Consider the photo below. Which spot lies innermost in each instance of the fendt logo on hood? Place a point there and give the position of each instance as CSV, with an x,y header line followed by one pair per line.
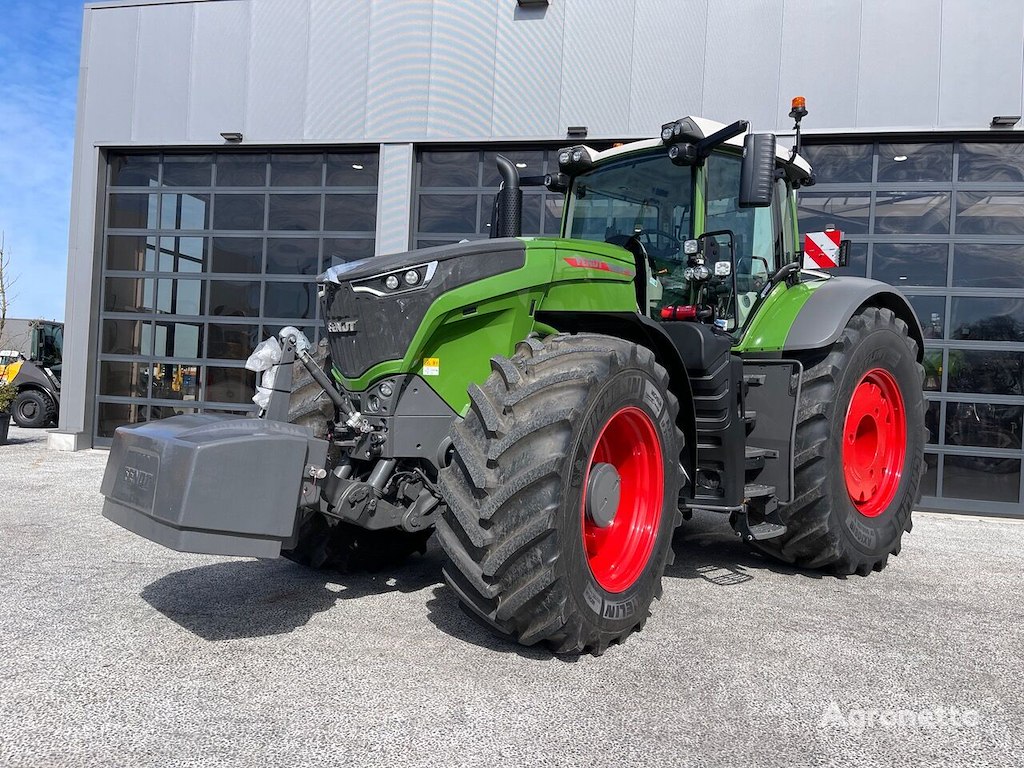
x,y
341,326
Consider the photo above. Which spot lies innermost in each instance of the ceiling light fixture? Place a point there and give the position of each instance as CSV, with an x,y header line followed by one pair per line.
x,y
900,158
1004,121
357,166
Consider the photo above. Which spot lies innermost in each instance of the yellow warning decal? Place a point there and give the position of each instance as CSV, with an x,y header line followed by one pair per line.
x,y
431,366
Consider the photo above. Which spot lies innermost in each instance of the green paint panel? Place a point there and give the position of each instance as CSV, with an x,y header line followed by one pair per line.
x,y
768,330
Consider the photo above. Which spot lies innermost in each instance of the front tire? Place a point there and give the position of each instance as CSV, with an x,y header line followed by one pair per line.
x,y
561,498
32,409
859,451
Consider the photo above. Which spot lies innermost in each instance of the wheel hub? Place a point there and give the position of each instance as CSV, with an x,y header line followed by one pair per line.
x,y
874,442
603,491
623,494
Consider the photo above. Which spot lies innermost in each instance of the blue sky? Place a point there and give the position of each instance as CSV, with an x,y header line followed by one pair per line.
x,y
39,46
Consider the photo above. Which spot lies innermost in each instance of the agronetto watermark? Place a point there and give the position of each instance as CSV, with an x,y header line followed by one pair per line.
x,y
861,720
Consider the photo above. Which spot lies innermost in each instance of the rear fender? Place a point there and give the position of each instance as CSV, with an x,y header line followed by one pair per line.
x,y
829,308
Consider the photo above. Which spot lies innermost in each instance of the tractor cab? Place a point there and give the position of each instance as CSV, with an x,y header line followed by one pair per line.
x,y
709,218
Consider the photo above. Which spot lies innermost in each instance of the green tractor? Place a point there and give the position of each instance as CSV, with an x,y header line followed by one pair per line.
x,y
555,407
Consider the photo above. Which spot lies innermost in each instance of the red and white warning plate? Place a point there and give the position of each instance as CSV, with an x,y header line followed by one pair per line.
x,y
821,249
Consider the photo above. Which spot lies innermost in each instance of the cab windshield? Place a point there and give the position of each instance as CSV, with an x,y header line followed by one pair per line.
x,y
642,196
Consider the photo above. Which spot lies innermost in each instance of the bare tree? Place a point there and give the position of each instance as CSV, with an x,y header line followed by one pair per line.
x,y
5,280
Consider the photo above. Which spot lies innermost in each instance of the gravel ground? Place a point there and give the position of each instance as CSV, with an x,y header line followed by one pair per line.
x,y
115,651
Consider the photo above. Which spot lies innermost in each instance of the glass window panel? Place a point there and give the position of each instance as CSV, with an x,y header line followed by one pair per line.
x,y
932,370
129,294
915,162
434,243
350,213
449,169
293,170
124,379
986,372
341,249
231,342
984,425
175,381
188,170
931,420
910,264
182,254
987,319
132,211
131,252
977,265
553,207
840,163
230,385
134,170
448,213
110,416
180,297
291,300
931,313
237,254
846,212
991,162
351,169
274,330
486,214
178,340
296,213
241,170
990,213
293,256
235,298
166,410
238,211
912,213
529,162
928,480
126,337
184,211
981,478
532,205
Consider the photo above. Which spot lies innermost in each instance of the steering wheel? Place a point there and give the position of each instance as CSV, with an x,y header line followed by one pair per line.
x,y
659,243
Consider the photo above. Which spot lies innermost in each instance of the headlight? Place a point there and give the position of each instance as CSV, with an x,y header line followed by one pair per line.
x,y
412,277
701,272
391,282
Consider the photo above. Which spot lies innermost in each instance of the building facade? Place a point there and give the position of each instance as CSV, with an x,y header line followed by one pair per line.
x,y
227,151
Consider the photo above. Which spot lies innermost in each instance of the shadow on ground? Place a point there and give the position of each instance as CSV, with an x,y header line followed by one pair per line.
x,y
258,598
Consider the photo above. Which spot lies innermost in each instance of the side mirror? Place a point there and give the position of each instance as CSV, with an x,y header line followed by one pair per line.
x,y
757,174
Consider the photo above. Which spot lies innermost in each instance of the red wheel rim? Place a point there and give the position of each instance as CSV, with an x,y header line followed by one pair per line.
x,y
617,554
874,442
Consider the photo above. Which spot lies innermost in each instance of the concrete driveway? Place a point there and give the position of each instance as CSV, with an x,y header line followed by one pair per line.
x,y
114,651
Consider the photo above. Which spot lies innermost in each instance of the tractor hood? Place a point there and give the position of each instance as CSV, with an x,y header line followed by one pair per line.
x,y
374,307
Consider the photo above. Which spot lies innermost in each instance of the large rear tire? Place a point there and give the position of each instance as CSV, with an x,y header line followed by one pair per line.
x,y
329,544
859,451
561,498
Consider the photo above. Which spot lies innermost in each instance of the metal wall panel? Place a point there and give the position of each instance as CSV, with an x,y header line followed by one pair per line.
x,y
336,81
666,83
110,76
219,69
461,69
528,72
980,64
823,67
394,198
278,54
899,63
161,107
597,51
398,74
741,67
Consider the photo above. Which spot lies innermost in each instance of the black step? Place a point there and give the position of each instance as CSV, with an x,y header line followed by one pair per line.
x,y
755,457
763,531
758,491
750,420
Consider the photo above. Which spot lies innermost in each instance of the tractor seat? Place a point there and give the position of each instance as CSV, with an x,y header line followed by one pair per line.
x,y
700,346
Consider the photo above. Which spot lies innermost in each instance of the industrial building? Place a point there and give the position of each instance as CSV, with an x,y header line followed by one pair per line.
x,y
227,151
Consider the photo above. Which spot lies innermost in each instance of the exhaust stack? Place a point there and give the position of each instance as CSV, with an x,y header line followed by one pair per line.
x,y
507,217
